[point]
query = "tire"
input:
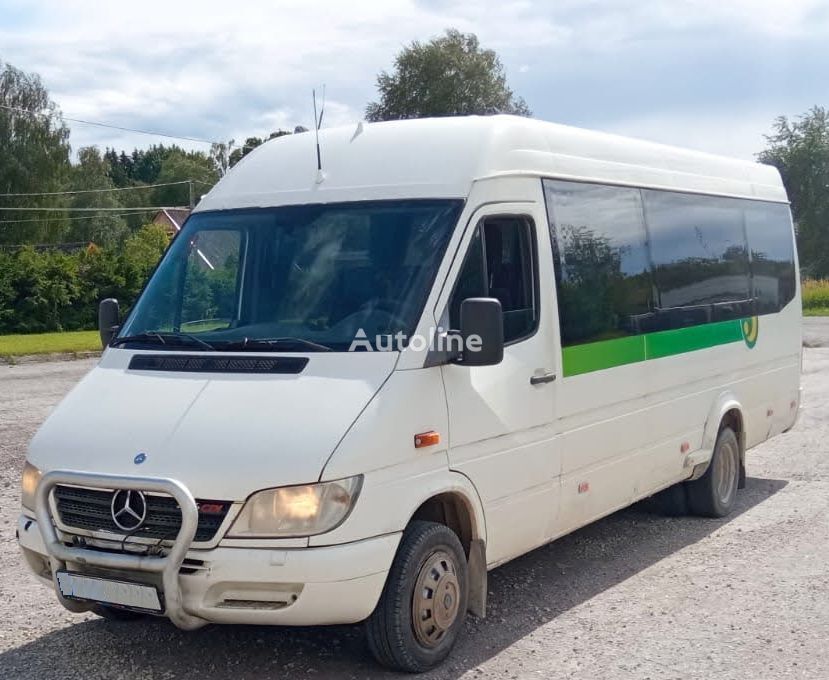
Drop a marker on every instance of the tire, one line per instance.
(429, 554)
(715, 493)
(116, 614)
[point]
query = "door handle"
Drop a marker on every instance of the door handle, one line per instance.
(546, 377)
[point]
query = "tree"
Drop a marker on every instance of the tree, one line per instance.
(799, 149)
(447, 76)
(179, 166)
(34, 157)
(142, 251)
(106, 228)
(250, 144)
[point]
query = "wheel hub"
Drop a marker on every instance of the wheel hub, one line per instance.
(726, 473)
(436, 597)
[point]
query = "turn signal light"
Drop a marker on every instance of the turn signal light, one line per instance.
(424, 439)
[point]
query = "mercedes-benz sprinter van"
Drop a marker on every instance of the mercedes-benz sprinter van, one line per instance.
(352, 388)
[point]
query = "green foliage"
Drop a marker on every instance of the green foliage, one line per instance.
(50, 290)
(816, 294)
(140, 255)
(106, 228)
(447, 76)
(800, 150)
(34, 157)
(250, 144)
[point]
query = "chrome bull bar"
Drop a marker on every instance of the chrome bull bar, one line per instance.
(167, 565)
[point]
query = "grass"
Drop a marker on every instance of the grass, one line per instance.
(47, 343)
(816, 297)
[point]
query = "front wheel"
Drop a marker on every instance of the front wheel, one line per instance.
(423, 605)
(715, 493)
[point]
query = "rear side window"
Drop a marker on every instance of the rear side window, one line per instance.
(602, 264)
(500, 263)
(771, 243)
(700, 258)
(630, 261)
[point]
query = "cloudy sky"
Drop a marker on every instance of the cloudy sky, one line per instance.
(708, 74)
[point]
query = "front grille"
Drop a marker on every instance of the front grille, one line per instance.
(91, 510)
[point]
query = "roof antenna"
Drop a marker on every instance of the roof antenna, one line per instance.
(317, 124)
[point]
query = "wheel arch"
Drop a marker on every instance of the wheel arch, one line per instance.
(727, 411)
(459, 508)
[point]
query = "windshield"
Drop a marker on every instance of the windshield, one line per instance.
(296, 278)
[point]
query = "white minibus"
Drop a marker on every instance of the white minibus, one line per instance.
(369, 371)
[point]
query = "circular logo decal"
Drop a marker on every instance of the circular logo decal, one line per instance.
(128, 509)
(751, 329)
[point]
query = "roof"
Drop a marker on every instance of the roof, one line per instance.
(174, 216)
(442, 157)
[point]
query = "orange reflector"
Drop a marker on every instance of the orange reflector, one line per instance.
(584, 487)
(684, 447)
(429, 438)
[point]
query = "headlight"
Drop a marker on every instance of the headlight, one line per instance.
(31, 476)
(296, 510)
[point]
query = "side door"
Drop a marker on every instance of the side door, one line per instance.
(502, 418)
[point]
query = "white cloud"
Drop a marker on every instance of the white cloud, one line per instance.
(210, 70)
(738, 133)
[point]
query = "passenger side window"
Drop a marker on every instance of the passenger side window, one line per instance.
(700, 258)
(602, 265)
(501, 263)
(770, 240)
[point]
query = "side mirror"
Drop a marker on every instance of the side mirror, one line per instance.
(482, 332)
(109, 316)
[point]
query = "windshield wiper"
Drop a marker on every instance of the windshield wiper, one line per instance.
(164, 338)
(275, 344)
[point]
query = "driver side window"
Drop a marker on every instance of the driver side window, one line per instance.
(500, 263)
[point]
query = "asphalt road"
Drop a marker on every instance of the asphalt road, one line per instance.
(635, 595)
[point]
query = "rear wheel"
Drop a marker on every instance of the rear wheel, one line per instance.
(423, 605)
(715, 493)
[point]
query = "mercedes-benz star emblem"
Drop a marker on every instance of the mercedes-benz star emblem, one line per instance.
(129, 509)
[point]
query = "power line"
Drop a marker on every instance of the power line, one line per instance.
(17, 109)
(142, 208)
(72, 219)
(93, 191)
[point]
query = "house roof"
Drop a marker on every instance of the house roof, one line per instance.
(175, 216)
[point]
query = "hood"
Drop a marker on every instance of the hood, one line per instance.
(223, 436)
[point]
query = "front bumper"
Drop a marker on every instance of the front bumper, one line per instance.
(299, 586)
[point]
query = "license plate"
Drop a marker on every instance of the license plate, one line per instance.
(107, 591)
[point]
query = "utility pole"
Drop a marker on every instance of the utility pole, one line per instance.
(192, 194)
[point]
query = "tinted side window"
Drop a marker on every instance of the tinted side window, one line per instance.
(700, 258)
(471, 280)
(602, 264)
(770, 239)
(500, 263)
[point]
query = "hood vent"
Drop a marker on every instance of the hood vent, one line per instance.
(190, 363)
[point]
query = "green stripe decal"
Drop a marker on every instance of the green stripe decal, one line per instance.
(597, 356)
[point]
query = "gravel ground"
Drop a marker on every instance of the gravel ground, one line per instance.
(635, 595)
